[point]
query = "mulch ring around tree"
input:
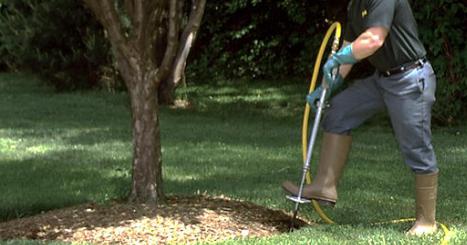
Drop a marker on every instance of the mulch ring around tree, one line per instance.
(182, 220)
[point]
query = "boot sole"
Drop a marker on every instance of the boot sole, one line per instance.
(321, 202)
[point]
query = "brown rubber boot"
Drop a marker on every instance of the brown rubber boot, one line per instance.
(333, 157)
(426, 188)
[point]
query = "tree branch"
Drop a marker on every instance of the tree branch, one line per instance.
(139, 22)
(188, 38)
(114, 27)
(107, 15)
(130, 8)
(93, 5)
(172, 43)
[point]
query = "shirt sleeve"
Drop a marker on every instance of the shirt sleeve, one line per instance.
(379, 13)
(349, 32)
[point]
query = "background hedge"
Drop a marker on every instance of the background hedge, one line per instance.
(239, 39)
(57, 39)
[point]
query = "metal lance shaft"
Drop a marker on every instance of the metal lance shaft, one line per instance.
(306, 166)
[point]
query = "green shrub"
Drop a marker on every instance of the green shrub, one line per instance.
(257, 39)
(442, 29)
(58, 39)
(253, 39)
(266, 39)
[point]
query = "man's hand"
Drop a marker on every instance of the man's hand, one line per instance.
(314, 96)
(344, 56)
(328, 69)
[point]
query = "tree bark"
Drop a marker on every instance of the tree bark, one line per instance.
(145, 56)
(147, 163)
(188, 37)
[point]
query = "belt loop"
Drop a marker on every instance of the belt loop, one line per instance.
(422, 60)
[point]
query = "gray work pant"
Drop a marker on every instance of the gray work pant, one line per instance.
(407, 97)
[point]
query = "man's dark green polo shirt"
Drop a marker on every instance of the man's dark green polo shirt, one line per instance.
(402, 45)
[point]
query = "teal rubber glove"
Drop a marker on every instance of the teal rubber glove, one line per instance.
(344, 56)
(313, 98)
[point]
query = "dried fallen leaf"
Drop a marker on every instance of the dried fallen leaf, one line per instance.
(183, 220)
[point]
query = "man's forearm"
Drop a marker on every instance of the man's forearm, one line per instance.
(369, 42)
(365, 45)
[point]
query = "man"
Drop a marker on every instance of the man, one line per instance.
(385, 32)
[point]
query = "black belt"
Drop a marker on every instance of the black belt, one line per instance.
(404, 67)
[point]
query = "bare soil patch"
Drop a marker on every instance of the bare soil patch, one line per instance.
(182, 220)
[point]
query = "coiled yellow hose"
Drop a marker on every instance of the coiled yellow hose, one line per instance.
(337, 29)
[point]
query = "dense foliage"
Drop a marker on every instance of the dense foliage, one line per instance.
(239, 39)
(270, 39)
(442, 26)
(58, 39)
(258, 38)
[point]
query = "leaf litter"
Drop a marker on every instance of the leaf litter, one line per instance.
(182, 220)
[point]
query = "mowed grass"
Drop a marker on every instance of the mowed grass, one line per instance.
(239, 140)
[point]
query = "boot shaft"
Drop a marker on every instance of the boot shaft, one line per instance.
(333, 158)
(334, 153)
(426, 190)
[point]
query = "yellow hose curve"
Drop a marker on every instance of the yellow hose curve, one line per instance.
(336, 28)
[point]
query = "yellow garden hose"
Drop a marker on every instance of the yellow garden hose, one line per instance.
(337, 30)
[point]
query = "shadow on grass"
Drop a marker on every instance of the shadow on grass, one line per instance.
(241, 147)
(31, 186)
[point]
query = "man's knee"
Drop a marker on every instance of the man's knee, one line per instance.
(421, 160)
(427, 169)
(333, 122)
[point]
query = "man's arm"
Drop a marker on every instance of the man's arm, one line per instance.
(369, 42)
(365, 45)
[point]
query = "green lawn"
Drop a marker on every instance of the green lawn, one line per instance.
(239, 140)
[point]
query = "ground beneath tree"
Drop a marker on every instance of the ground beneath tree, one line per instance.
(181, 220)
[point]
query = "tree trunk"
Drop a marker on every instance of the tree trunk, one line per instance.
(147, 161)
(166, 93)
(145, 55)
